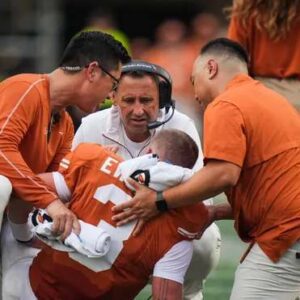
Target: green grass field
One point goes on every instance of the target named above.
(219, 282)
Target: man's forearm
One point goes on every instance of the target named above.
(164, 289)
(208, 182)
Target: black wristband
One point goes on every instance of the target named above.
(161, 203)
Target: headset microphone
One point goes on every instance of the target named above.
(155, 124)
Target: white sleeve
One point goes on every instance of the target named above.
(164, 175)
(79, 137)
(173, 265)
(61, 187)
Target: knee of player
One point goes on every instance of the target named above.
(5, 188)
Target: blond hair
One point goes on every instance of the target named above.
(273, 16)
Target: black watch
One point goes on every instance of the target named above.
(161, 203)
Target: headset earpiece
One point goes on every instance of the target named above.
(165, 91)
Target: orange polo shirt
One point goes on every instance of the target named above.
(278, 59)
(258, 130)
(26, 147)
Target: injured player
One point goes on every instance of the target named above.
(91, 181)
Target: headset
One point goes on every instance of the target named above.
(164, 86)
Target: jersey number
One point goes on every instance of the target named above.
(104, 194)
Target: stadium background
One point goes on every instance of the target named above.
(34, 32)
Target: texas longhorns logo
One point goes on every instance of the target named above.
(141, 176)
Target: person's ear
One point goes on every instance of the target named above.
(212, 68)
(91, 71)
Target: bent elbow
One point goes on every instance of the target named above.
(230, 176)
(224, 174)
(230, 181)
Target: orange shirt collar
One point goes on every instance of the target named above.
(237, 80)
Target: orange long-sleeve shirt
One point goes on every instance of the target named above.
(27, 146)
(269, 58)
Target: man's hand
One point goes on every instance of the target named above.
(216, 212)
(64, 221)
(141, 206)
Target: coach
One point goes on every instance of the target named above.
(143, 107)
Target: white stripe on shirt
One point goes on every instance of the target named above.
(4, 126)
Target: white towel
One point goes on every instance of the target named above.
(44, 233)
(128, 167)
(164, 175)
(158, 175)
(91, 242)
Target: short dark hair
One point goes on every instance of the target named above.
(226, 46)
(88, 46)
(178, 147)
